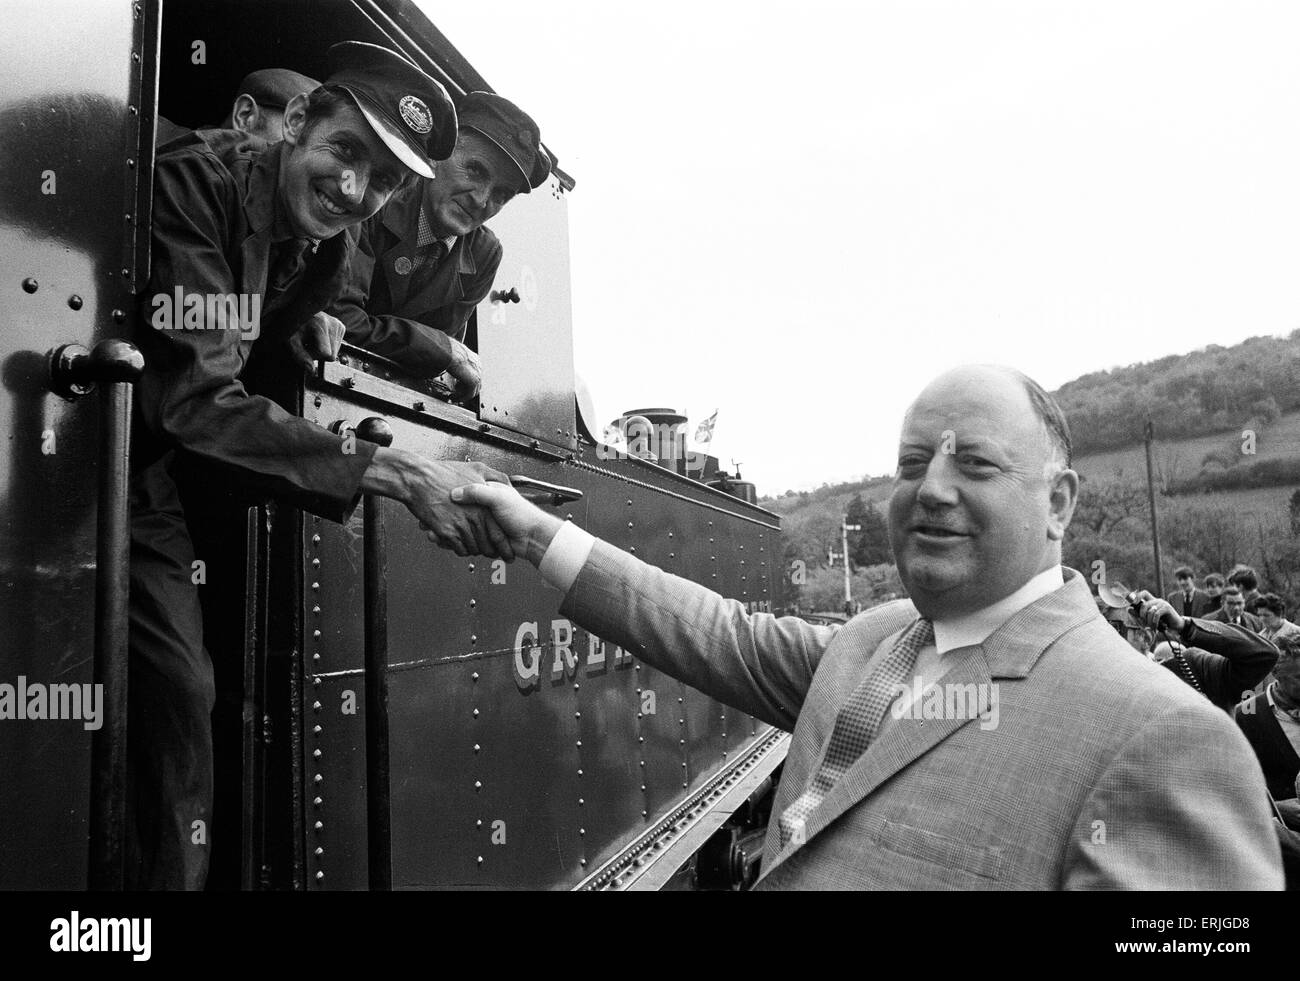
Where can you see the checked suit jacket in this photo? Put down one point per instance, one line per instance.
(1103, 772)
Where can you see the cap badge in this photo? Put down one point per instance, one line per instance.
(525, 138)
(402, 266)
(416, 114)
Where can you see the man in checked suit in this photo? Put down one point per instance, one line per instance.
(1087, 766)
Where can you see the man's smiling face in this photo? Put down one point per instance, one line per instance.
(974, 514)
(471, 186)
(336, 173)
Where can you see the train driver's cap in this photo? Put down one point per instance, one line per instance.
(406, 108)
(510, 128)
(274, 87)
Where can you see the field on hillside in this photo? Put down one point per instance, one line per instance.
(1181, 459)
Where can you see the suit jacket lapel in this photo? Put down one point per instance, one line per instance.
(899, 743)
(1009, 652)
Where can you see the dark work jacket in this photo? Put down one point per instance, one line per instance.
(1277, 757)
(1228, 660)
(215, 204)
(408, 318)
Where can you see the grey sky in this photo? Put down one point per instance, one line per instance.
(799, 213)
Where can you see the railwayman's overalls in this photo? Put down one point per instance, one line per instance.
(399, 304)
(218, 229)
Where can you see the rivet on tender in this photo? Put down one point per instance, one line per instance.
(476, 713)
(319, 876)
(477, 747)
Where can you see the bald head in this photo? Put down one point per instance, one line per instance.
(1055, 429)
(983, 493)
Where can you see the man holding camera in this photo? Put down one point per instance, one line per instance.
(1223, 661)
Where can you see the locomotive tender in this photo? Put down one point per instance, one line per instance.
(389, 715)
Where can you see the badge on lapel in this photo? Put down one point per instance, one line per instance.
(402, 266)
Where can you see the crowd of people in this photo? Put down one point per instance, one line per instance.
(1233, 643)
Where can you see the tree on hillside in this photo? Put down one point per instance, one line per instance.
(1105, 503)
(870, 546)
(1293, 509)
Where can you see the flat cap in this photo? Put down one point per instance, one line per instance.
(510, 128)
(407, 109)
(274, 87)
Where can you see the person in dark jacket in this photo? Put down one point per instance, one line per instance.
(1187, 599)
(1271, 722)
(250, 245)
(1214, 584)
(426, 261)
(1222, 661)
(1233, 610)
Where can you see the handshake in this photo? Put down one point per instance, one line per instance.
(468, 508)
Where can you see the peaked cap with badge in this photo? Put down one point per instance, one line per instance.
(410, 111)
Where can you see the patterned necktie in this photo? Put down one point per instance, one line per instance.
(428, 255)
(856, 725)
(429, 248)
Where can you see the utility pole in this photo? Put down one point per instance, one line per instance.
(845, 528)
(1151, 500)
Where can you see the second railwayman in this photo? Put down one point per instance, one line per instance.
(426, 261)
(272, 226)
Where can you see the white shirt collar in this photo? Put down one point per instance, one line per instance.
(974, 628)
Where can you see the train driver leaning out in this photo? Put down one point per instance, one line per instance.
(426, 260)
(1096, 769)
(270, 226)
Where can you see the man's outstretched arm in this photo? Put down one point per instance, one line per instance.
(756, 662)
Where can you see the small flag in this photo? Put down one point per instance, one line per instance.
(704, 432)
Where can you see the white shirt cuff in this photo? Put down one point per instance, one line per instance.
(565, 556)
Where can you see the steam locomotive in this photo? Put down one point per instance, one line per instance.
(389, 715)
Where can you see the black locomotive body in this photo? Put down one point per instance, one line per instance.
(511, 748)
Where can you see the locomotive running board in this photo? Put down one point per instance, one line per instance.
(651, 860)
